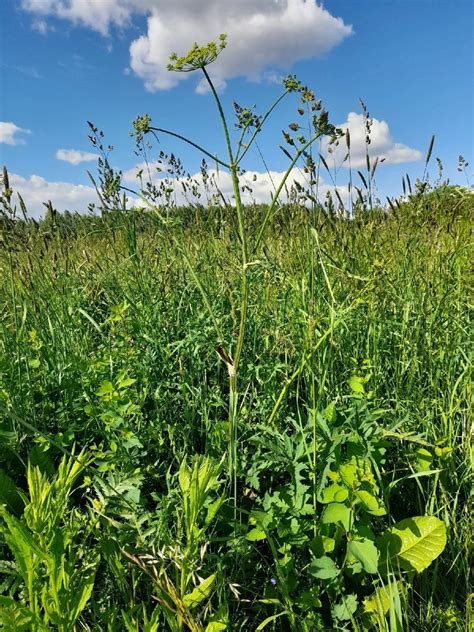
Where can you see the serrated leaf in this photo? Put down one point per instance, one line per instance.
(323, 568)
(199, 593)
(365, 552)
(413, 544)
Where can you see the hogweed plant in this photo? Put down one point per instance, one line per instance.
(249, 125)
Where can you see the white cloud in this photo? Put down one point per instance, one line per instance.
(64, 196)
(75, 157)
(36, 190)
(9, 131)
(263, 34)
(382, 144)
(41, 26)
(262, 185)
(94, 14)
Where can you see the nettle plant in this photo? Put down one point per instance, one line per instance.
(249, 124)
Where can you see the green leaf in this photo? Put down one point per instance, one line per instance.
(14, 616)
(413, 544)
(106, 388)
(424, 458)
(199, 593)
(370, 503)
(365, 552)
(268, 620)
(344, 610)
(334, 493)
(125, 383)
(215, 626)
(336, 513)
(82, 594)
(356, 384)
(256, 534)
(323, 568)
(376, 607)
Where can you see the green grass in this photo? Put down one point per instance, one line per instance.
(108, 336)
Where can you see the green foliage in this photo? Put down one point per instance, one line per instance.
(313, 474)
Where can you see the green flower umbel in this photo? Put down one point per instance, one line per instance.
(198, 57)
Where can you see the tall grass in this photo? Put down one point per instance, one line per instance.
(112, 349)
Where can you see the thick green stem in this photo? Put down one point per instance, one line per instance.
(233, 369)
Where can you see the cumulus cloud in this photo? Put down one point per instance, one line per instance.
(75, 157)
(9, 132)
(263, 34)
(36, 190)
(382, 144)
(256, 186)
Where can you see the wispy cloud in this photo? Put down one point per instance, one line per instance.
(28, 71)
(9, 133)
(74, 156)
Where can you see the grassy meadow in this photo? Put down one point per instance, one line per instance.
(226, 417)
(128, 500)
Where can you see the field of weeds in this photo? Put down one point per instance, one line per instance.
(145, 484)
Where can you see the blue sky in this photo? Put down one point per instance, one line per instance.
(63, 62)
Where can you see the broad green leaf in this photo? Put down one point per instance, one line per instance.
(125, 383)
(199, 593)
(365, 552)
(330, 412)
(321, 544)
(256, 534)
(336, 513)
(413, 543)
(21, 543)
(344, 610)
(334, 493)
(323, 568)
(215, 626)
(349, 474)
(184, 476)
